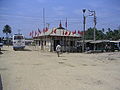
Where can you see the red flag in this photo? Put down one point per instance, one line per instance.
(39, 31)
(55, 30)
(46, 29)
(35, 33)
(69, 33)
(43, 30)
(66, 32)
(30, 34)
(79, 32)
(38, 34)
(74, 32)
(60, 25)
(66, 23)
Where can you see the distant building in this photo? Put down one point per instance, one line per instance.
(48, 39)
(28, 41)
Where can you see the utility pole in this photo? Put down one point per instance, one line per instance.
(95, 22)
(94, 29)
(94, 25)
(84, 22)
(44, 18)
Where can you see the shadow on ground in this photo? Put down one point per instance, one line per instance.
(23, 50)
(1, 52)
(27, 50)
(4, 50)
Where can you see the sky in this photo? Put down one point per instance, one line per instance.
(27, 15)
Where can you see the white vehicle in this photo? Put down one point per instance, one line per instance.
(1, 43)
(18, 41)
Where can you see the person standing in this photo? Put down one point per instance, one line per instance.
(58, 49)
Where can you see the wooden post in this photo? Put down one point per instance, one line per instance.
(1, 87)
(0, 49)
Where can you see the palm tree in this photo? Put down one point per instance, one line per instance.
(7, 30)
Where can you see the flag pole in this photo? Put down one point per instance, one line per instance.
(68, 36)
(44, 18)
(44, 28)
(66, 27)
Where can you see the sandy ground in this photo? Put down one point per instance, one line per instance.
(33, 69)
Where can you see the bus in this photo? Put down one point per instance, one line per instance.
(18, 41)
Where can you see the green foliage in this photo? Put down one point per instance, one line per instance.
(101, 35)
(89, 34)
(7, 29)
(113, 34)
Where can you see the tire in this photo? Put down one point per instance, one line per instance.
(14, 49)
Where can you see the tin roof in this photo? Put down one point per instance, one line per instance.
(58, 32)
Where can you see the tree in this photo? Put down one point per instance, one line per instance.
(103, 30)
(100, 35)
(89, 34)
(7, 30)
(116, 35)
(110, 34)
(113, 34)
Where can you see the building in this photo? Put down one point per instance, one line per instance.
(103, 45)
(50, 38)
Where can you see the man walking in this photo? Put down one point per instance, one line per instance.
(58, 49)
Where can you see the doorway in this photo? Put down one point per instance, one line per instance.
(56, 42)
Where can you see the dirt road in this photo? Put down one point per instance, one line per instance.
(33, 69)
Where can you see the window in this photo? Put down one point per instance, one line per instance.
(18, 37)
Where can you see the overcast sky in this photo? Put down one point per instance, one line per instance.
(26, 15)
